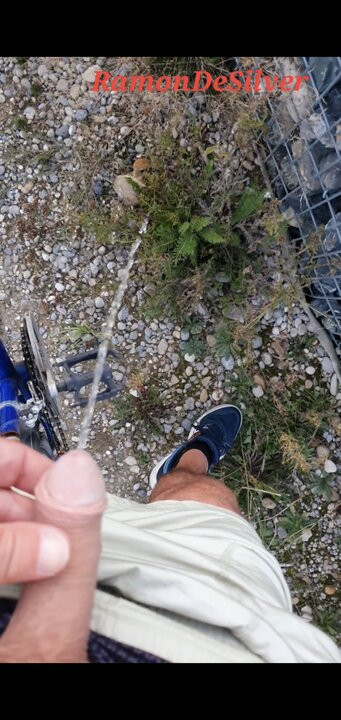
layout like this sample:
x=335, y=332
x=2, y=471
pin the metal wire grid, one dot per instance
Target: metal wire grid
x=314, y=209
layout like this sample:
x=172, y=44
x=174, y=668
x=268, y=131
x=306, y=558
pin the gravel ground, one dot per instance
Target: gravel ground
x=50, y=126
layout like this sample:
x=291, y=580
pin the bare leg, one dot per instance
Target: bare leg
x=189, y=481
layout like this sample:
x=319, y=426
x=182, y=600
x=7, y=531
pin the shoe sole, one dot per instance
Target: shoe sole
x=153, y=475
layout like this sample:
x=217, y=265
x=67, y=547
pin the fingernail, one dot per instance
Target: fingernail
x=75, y=480
x=54, y=552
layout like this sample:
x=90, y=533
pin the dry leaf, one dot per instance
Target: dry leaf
x=278, y=348
x=259, y=381
x=140, y=165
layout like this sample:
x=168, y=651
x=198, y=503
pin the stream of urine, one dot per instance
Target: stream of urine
x=103, y=347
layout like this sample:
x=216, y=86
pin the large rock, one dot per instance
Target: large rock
x=305, y=166
x=324, y=71
x=315, y=128
x=330, y=170
x=125, y=190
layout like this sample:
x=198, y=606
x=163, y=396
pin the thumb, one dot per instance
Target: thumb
x=30, y=551
x=52, y=619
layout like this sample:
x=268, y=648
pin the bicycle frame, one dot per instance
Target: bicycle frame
x=13, y=389
x=22, y=399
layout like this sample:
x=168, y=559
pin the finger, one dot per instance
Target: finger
x=14, y=507
x=30, y=551
x=53, y=616
x=20, y=465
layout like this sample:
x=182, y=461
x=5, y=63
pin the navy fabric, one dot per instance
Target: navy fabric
x=100, y=649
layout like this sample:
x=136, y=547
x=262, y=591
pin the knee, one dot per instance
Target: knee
x=180, y=485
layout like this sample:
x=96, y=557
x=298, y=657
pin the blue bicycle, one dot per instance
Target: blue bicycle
x=29, y=395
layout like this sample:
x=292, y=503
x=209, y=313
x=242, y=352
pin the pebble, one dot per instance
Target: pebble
x=256, y=342
x=330, y=590
x=63, y=131
x=125, y=190
x=89, y=75
x=179, y=431
x=228, y=363
x=211, y=341
x=267, y=359
x=217, y=395
x=62, y=85
x=257, y=391
x=75, y=91
x=310, y=370
x=59, y=287
x=99, y=303
x=308, y=384
x=130, y=460
x=322, y=452
x=123, y=313
x=333, y=385
x=189, y=358
x=268, y=503
x=327, y=366
x=184, y=335
x=81, y=114
x=30, y=112
x=203, y=396
x=329, y=467
x=162, y=347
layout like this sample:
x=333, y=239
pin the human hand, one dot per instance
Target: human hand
x=52, y=545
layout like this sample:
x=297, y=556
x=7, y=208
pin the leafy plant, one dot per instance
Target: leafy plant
x=79, y=334
x=251, y=202
x=99, y=224
x=329, y=621
x=294, y=523
x=189, y=233
x=36, y=89
x=146, y=407
x=223, y=339
x=323, y=487
x=194, y=346
x=19, y=122
x=192, y=232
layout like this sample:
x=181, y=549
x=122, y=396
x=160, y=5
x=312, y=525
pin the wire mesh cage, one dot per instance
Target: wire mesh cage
x=302, y=143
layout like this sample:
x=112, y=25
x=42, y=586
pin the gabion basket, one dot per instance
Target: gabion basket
x=302, y=143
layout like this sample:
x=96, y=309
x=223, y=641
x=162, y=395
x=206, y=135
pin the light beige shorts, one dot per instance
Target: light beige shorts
x=198, y=586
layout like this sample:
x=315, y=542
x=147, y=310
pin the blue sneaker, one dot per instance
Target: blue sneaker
x=217, y=429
